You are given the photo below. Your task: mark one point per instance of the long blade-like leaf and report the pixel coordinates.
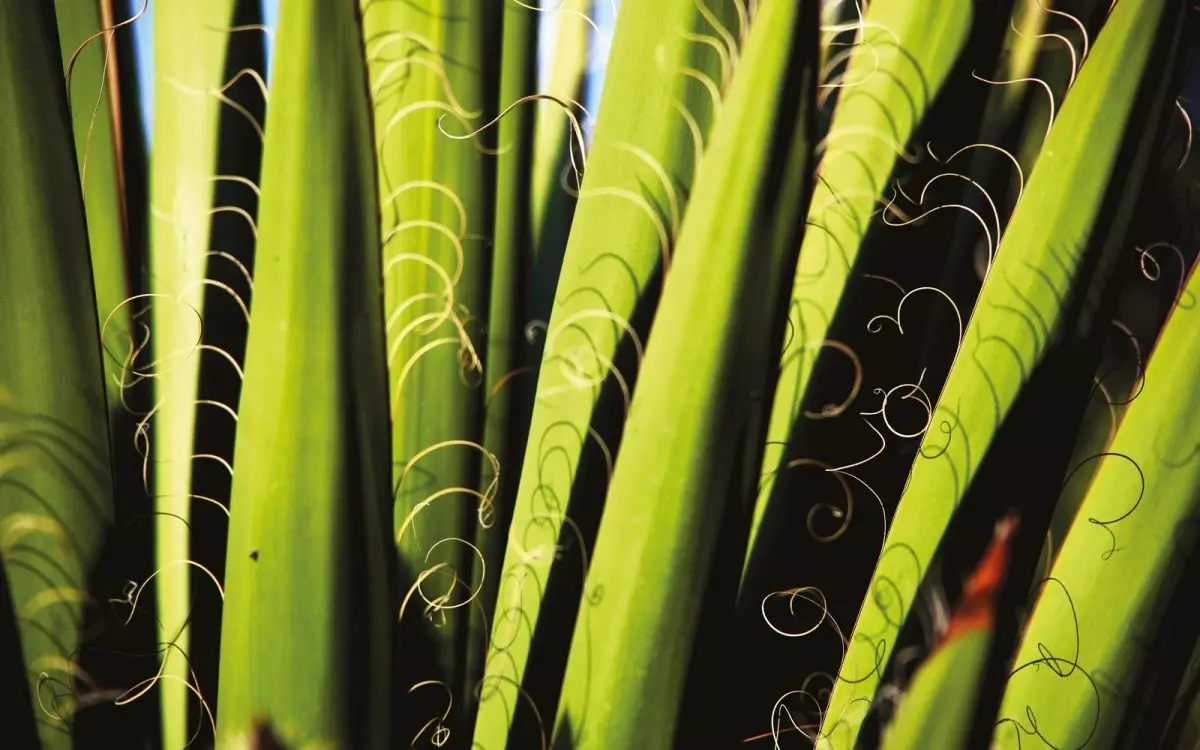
(190, 40)
(504, 430)
(902, 61)
(937, 708)
(669, 62)
(91, 62)
(693, 438)
(304, 640)
(1075, 673)
(552, 205)
(1020, 307)
(55, 472)
(432, 88)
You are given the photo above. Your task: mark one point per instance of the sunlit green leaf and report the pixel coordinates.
(190, 40)
(1019, 308)
(693, 436)
(897, 69)
(649, 139)
(305, 636)
(1075, 673)
(90, 61)
(55, 472)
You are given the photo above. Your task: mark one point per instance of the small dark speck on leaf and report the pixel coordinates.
(263, 737)
(254, 555)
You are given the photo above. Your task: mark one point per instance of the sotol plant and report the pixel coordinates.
(834, 384)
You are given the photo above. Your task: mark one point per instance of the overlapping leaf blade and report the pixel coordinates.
(1074, 674)
(649, 140)
(95, 103)
(937, 708)
(55, 473)
(1018, 310)
(190, 40)
(693, 439)
(899, 66)
(432, 88)
(504, 430)
(305, 636)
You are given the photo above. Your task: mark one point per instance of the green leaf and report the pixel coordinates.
(693, 437)
(432, 88)
(1019, 60)
(937, 708)
(190, 40)
(1054, 67)
(902, 61)
(554, 135)
(1075, 672)
(662, 90)
(305, 635)
(504, 432)
(55, 472)
(1019, 309)
(90, 60)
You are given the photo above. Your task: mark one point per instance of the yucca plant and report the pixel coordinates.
(833, 383)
